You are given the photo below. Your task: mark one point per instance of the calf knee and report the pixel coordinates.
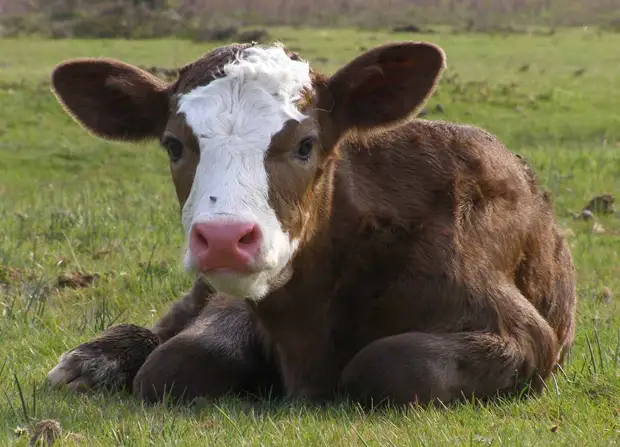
(185, 368)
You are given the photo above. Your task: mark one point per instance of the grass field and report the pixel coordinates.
(70, 202)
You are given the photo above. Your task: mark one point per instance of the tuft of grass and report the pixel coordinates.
(74, 205)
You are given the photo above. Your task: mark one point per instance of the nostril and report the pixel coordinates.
(250, 237)
(200, 240)
(247, 239)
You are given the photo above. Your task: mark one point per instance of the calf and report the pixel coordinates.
(339, 245)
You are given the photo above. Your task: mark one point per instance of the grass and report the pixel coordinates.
(70, 202)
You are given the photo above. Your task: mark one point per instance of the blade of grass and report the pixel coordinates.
(21, 397)
(592, 358)
(600, 351)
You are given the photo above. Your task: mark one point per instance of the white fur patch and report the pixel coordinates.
(234, 118)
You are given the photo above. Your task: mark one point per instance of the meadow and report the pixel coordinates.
(90, 236)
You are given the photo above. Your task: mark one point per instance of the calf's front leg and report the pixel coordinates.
(221, 352)
(113, 359)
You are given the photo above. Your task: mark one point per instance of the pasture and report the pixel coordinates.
(90, 236)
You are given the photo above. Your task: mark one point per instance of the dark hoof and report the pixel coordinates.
(110, 361)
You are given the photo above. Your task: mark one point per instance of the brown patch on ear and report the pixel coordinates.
(382, 86)
(112, 99)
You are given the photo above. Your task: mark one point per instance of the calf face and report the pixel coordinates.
(252, 136)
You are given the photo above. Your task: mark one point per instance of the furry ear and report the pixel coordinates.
(382, 86)
(112, 99)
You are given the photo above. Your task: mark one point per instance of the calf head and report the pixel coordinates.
(252, 134)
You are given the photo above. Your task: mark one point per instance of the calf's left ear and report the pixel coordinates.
(382, 86)
(112, 99)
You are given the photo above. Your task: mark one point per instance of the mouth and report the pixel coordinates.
(236, 284)
(228, 273)
(241, 271)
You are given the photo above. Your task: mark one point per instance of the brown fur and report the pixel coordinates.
(431, 266)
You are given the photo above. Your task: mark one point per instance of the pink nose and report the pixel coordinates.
(224, 245)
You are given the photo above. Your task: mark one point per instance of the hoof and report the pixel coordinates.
(110, 361)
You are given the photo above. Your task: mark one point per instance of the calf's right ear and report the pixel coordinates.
(112, 99)
(380, 87)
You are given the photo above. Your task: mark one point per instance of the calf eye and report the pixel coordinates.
(304, 150)
(174, 148)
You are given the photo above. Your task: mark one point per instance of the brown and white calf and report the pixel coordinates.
(339, 245)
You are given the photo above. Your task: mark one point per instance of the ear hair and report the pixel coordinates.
(112, 99)
(381, 87)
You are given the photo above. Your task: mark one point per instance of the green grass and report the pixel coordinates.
(71, 202)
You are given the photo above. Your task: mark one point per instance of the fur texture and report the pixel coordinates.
(409, 260)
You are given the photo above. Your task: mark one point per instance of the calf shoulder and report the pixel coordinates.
(453, 190)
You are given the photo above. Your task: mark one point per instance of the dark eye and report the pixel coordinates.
(174, 148)
(304, 150)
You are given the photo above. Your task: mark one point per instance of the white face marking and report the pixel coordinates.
(234, 118)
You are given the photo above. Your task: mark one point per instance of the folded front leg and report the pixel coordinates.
(221, 352)
(109, 361)
(113, 358)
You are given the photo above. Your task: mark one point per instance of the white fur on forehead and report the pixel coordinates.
(273, 69)
(258, 82)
